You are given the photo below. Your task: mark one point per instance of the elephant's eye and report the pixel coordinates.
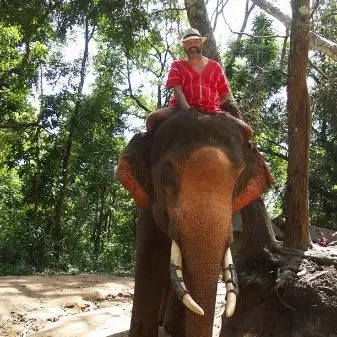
(169, 178)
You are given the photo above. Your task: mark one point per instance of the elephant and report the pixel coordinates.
(188, 178)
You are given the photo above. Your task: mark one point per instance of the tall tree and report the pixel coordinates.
(323, 150)
(299, 129)
(57, 227)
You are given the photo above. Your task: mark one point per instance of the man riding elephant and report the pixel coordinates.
(198, 82)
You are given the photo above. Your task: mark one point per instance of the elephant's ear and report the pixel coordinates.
(133, 170)
(254, 181)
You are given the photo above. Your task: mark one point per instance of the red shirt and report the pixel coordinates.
(201, 90)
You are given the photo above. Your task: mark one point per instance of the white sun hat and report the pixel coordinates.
(192, 34)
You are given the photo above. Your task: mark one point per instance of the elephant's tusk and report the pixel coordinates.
(178, 280)
(230, 278)
(192, 305)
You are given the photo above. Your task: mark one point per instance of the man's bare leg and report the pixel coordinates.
(155, 116)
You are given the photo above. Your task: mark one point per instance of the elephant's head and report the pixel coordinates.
(194, 172)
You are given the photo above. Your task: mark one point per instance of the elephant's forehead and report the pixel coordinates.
(209, 154)
(207, 163)
(184, 133)
(202, 153)
(202, 158)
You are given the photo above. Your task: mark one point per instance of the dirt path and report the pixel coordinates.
(31, 303)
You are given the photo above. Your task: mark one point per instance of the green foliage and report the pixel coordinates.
(122, 20)
(325, 19)
(136, 42)
(323, 174)
(98, 215)
(10, 56)
(256, 74)
(17, 71)
(258, 80)
(24, 29)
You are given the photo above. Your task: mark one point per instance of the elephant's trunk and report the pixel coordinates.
(202, 262)
(202, 226)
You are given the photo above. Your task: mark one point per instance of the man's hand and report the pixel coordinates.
(180, 97)
(230, 106)
(185, 106)
(224, 98)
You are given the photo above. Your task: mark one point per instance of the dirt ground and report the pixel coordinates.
(287, 296)
(31, 303)
(299, 298)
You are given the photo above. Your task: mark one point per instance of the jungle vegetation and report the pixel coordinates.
(65, 119)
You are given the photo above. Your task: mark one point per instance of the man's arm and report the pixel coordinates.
(180, 97)
(226, 100)
(224, 97)
(228, 104)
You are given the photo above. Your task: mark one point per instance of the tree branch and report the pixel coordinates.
(135, 114)
(315, 6)
(217, 11)
(317, 42)
(161, 11)
(284, 48)
(273, 153)
(135, 98)
(234, 51)
(312, 65)
(240, 33)
(17, 125)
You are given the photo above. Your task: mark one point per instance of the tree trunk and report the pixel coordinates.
(299, 130)
(99, 223)
(37, 158)
(57, 226)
